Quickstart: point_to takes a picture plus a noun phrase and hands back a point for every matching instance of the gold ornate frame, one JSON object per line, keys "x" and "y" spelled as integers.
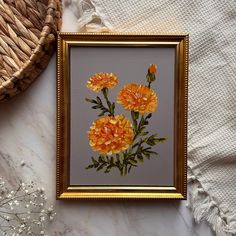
{"x": 64, "y": 189}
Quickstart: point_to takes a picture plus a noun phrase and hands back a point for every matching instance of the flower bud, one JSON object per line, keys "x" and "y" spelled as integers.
{"x": 152, "y": 68}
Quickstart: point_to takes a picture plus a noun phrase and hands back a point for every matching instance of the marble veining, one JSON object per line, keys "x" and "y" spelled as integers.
{"x": 28, "y": 153}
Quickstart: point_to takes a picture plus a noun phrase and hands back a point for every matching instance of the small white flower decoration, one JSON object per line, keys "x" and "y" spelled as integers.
{"x": 23, "y": 211}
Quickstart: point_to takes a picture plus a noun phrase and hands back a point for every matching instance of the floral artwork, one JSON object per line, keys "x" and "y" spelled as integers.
{"x": 122, "y": 143}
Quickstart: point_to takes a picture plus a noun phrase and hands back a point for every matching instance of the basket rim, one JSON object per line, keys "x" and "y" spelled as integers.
{"x": 28, "y": 63}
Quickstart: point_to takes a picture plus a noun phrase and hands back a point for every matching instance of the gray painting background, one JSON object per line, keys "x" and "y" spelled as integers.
{"x": 130, "y": 65}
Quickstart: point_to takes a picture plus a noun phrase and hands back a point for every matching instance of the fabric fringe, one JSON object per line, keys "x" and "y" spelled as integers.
{"x": 205, "y": 208}
{"x": 90, "y": 17}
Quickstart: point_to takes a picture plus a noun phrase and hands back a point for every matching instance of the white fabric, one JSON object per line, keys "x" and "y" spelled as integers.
{"x": 212, "y": 89}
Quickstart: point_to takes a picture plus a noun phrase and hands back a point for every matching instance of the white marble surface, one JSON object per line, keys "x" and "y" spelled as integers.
{"x": 27, "y": 132}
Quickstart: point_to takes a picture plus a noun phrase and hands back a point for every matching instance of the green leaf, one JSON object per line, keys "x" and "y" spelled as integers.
{"x": 95, "y": 163}
{"x": 107, "y": 170}
{"x": 101, "y": 158}
{"x": 159, "y": 140}
{"x": 152, "y": 152}
{"x": 90, "y": 100}
{"x": 154, "y": 135}
{"x": 142, "y": 129}
{"x": 150, "y": 142}
{"x": 139, "y": 150}
{"x": 89, "y": 166}
{"x": 102, "y": 113}
{"x": 134, "y": 115}
{"x": 142, "y": 121}
{"x": 96, "y": 107}
{"x": 93, "y": 160}
{"x": 149, "y": 116}
{"x": 144, "y": 133}
{"x": 100, "y": 167}
{"x": 118, "y": 158}
{"x": 147, "y": 155}
{"x": 132, "y": 155}
{"x": 120, "y": 166}
{"x": 140, "y": 158}
{"x": 122, "y": 156}
{"x": 133, "y": 162}
{"x": 112, "y": 161}
{"x": 135, "y": 145}
{"x": 99, "y": 100}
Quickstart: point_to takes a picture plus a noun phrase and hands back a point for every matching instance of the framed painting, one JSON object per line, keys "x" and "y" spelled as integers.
{"x": 121, "y": 116}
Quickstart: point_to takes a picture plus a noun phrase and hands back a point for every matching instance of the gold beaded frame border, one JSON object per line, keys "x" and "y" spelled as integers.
{"x": 63, "y": 188}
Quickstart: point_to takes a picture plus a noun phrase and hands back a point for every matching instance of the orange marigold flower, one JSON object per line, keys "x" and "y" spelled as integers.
{"x": 109, "y": 135}
{"x": 152, "y": 68}
{"x": 102, "y": 80}
{"x": 138, "y": 97}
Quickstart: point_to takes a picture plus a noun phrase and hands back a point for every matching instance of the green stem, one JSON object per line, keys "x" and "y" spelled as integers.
{"x": 137, "y": 132}
{"x": 136, "y": 124}
{"x": 109, "y": 104}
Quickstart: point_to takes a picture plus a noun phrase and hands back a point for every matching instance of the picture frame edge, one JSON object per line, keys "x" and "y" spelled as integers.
{"x": 62, "y": 183}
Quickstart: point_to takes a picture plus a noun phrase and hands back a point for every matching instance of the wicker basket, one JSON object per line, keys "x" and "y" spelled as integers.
{"x": 27, "y": 40}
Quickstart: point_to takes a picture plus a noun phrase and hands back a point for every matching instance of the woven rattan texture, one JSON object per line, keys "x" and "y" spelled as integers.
{"x": 27, "y": 40}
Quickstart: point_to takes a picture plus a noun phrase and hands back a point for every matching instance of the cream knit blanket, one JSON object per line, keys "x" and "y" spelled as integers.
{"x": 212, "y": 88}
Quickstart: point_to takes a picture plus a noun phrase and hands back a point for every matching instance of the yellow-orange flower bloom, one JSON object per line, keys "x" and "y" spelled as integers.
{"x": 152, "y": 68}
{"x": 109, "y": 135}
{"x": 102, "y": 80}
{"x": 138, "y": 97}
